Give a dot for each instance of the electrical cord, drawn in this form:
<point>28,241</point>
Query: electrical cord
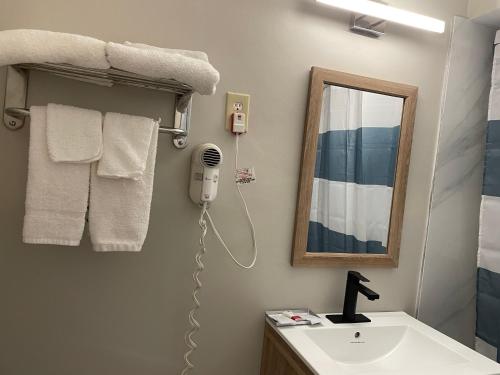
<point>249,218</point>
<point>195,325</point>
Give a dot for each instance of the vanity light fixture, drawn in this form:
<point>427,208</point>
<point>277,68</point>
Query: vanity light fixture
<point>388,13</point>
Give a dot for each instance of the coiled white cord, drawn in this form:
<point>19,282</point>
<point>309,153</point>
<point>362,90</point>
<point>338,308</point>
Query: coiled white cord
<point>195,325</point>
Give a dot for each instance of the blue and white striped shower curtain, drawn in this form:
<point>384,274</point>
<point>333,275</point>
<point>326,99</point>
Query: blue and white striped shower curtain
<point>488,278</point>
<point>354,175</point>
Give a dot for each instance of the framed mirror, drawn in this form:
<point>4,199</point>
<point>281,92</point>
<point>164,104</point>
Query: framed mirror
<point>354,171</point>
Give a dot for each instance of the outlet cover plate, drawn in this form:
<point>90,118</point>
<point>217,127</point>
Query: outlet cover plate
<point>236,102</point>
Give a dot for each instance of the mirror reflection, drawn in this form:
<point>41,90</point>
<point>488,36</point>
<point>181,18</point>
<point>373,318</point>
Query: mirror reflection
<point>354,171</point>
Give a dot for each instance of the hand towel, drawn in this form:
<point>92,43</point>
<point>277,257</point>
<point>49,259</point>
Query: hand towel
<point>163,64</point>
<point>56,193</point>
<point>119,208</point>
<point>40,46</point>
<point>126,146</point>
<point>74,135</point>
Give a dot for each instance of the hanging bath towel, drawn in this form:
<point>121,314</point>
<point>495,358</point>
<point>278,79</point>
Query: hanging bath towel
<point>119,207</point>
<point>56,193</point>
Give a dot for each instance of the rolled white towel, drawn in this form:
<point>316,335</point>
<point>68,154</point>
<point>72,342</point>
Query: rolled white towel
<point>185,52</point>
<point>74,135</point>
<point>41,46</point>
<point>126,143</point>
<point>56,193</point>
<point>119,208</point>
<point>160,63</point>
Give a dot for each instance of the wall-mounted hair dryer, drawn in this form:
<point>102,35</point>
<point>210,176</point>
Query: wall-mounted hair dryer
<point>204,180</point>
<point>205,162</point>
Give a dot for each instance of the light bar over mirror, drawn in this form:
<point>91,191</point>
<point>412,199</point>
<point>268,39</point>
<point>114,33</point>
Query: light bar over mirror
<point>389,13</point>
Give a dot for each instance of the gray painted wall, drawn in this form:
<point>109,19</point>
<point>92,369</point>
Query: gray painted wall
<point>72,311</point>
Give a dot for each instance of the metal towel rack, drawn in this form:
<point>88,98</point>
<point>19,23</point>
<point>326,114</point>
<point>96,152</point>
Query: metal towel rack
<point>16,88</point>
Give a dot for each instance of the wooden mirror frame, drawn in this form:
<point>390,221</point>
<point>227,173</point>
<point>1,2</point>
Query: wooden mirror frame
<point>319,77</point>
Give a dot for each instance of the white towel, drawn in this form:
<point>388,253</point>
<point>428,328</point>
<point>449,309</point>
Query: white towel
<point>74,135</point>
<point>119,208</point>
<point>56,193</point>
<point>162,64</point>
<point>193,54</point>
<point>126,146</point>
<point>40,46</point>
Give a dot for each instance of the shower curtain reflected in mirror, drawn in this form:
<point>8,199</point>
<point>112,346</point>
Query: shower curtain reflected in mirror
<point>354,173</point>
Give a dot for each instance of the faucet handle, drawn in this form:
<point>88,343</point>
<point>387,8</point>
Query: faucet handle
<point>358,276</point>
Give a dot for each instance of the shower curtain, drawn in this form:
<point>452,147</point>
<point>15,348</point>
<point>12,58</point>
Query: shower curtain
<point>354,173</point>
<point>488,278</point>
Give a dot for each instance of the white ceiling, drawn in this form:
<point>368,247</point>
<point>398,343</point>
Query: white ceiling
<point>485,11</point>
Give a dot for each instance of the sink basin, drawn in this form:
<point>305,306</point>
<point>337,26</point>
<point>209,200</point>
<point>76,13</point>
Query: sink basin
<point>383,348</point>
<point>393,343</point>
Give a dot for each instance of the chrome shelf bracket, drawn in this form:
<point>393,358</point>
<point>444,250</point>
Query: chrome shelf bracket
<point>15,111</point>
<point>16,88</point>
<point>182,120</point>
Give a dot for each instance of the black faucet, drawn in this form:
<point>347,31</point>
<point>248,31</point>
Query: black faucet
<point>353,286</point>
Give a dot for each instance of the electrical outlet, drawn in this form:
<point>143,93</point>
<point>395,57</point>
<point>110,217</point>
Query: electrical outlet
<point>236,102</point>
<point>237,106</point>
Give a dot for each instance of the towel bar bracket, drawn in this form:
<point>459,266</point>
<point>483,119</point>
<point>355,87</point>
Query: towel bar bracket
<point>16,88</point>
<point>182,121</point>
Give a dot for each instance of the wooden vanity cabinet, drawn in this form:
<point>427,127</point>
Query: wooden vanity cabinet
<point>278,358</point>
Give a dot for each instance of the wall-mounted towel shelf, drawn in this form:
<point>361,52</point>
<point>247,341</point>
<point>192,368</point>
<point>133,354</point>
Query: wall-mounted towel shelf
<point>15,109</point>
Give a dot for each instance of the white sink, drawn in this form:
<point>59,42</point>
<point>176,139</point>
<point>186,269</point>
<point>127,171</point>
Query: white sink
<point>383,348</point>
<point>393,343</point>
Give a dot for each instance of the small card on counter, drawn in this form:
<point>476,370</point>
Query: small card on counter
<point>293,317</point>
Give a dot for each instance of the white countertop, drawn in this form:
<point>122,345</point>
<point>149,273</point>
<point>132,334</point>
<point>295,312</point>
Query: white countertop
<point>318,360</point>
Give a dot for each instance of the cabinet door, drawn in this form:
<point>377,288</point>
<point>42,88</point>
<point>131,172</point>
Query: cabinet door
<point>278,358</point>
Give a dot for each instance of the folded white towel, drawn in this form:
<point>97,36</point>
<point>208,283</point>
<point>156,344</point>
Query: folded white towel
<point>74,135</point>
<point>161,63</point>
<point>119,208</point>
<point>40,46</point>
<point>194,54</point>
<point>126,146</point>
<point>56,193</point>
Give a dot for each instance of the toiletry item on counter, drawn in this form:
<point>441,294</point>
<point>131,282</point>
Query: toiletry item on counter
<point>293,317</point>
